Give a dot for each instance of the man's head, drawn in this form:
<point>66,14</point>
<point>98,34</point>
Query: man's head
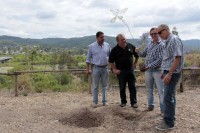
<point>154,34</point>
<point>100,37</point>
<point>121,40</point>
<point>163,31</point>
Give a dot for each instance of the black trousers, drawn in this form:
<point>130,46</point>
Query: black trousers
<point>127,76</point>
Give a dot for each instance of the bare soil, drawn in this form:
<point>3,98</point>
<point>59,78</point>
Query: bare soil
<point>72,113</point>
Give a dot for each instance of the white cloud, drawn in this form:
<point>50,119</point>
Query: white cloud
<point>75,18</point>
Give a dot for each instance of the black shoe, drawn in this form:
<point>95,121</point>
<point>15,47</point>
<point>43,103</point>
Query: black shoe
<point>134,105</point>
<point>122,105</point>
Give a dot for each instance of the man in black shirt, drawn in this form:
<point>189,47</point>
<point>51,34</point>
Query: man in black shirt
<point>121,61</point>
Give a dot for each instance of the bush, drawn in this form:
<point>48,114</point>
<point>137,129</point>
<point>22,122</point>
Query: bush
<point>43,82</point>
<point>6,82</point>
<point>82,65</point>
<point>63,78</point>
<point>76,85</point>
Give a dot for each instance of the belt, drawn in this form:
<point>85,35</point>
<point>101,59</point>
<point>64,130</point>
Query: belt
<point>101,66</point>
<point>166,71</point>
<point>156,68</point>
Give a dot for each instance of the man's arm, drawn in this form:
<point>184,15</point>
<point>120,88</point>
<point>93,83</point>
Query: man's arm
<point>115,70</point>
<point>135,62</point>
<point>136,57</point>
<point>88,60</point>
<point>143,53</point>
<point>175,64</point>
<point>88,71</point>
<point>178,53</point>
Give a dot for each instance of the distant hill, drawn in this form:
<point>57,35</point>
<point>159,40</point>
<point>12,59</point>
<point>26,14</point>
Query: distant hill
<point>193,44</point>
<point>79,42</point>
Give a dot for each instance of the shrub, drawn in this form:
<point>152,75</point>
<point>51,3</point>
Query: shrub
<point>6,82</point>
<point>63,78</point>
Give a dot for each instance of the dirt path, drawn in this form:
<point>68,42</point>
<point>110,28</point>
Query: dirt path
<point>72,113</point>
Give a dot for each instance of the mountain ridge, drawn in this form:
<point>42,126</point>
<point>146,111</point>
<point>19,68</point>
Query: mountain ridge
<point>79,42</point>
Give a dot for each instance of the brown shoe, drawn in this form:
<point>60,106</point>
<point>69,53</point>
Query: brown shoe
<point>105,104</point>
<point>162,114</point>
<point>149,109</point>
<point>163,126</point>
<point>94,105</point>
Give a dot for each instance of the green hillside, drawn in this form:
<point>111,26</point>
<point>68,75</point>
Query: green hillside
<point>79,42</point>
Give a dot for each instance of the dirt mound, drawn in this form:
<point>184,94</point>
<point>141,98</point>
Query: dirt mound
<point>83,118</point>
<point>129,115</point>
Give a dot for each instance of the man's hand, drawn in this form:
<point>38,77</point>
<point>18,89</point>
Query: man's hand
<point>167,78</point>
<point>116,71</point>
<point>88,72</point>
<point>142,67</point>
<point>134,65</point>
<point>136,50</point>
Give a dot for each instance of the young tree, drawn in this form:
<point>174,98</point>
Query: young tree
<point>174,31</point>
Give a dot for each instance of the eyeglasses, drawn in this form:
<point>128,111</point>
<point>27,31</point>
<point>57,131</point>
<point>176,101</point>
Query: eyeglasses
<point>160,32</point>
<point>153,34</point>
<point>122,39</point>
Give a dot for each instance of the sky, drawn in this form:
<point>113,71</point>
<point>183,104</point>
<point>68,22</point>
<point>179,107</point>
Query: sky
<point>77,18</point>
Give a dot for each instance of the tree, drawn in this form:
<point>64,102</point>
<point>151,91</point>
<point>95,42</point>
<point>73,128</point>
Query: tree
<point>32,57</point>
<point>174,31</point>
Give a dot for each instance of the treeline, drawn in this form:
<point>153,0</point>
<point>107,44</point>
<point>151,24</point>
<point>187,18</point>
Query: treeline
<point>78,42</point>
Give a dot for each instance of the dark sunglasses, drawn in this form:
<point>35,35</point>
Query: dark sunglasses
<point>160,32</point>
<point>153,34</point>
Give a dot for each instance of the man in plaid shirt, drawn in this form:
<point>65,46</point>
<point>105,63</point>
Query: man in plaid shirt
<point>154,54</point>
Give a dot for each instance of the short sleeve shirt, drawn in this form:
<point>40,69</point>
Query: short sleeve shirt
<point>123,58</point>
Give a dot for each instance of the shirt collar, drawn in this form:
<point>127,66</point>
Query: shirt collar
<point>121,47</point>
<point>158,42</point>
<point>99,44</point>
<point>169,38</point>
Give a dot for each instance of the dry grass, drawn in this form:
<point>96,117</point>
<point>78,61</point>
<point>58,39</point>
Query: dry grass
<point>72,113</point>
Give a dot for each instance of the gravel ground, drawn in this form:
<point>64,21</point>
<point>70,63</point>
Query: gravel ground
<point>72,113</point>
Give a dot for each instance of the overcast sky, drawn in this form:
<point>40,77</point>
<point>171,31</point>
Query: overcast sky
<point>77,18</point>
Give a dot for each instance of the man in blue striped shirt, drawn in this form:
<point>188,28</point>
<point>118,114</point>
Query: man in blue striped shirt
<point>97,56</point>
<point>154,54</point>
<point>172,65</point>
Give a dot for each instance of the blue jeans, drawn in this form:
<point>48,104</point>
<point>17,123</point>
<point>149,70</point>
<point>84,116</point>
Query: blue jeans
<point>154,76</point>
<point>170,98</point>
<point>97,74</point>
<point>125,76</point>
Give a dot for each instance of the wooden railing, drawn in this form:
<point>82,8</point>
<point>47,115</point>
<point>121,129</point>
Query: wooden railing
<point>74,71</point>
<point>188,73</point>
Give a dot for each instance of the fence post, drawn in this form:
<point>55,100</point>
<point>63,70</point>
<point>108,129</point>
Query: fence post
<point>89,84</point>
<point>16,85</point>
<point>181,83</point>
